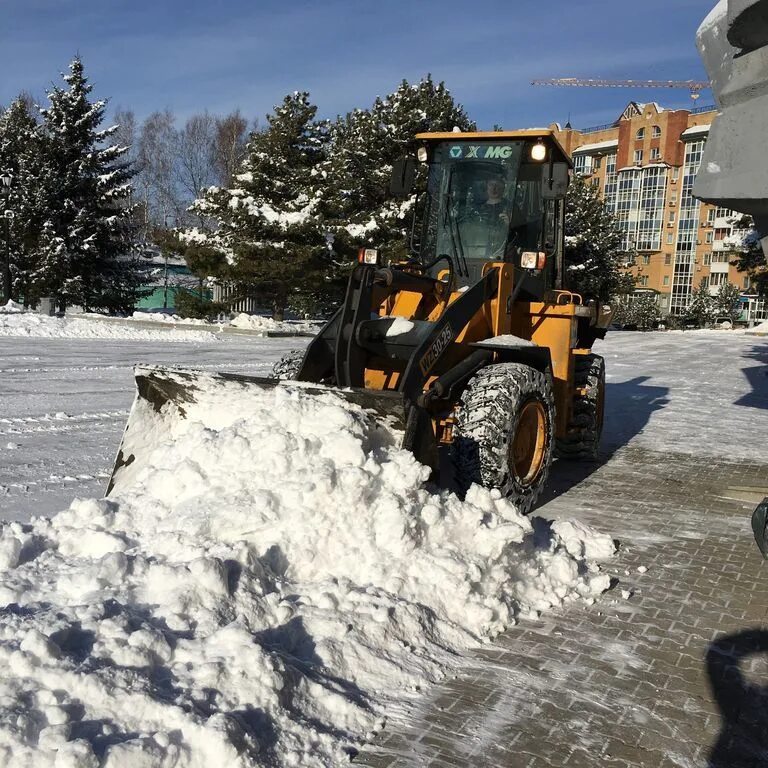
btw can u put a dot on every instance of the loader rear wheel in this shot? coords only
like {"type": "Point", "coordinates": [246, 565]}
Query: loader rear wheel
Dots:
{"type": "Point", "coordinates": [287, 367]}
{"type": "Point", "coordinates": [504, 433]}
{"type": "Point", "coordinates": [586, 423]}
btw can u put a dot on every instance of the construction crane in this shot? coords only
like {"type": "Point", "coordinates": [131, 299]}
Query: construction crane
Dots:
{"type": "Point", "coordinates": [694, 86]}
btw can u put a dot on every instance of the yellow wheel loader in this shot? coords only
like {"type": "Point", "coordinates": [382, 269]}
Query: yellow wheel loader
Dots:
{"type": "Point", "coordinates": [472, 345]}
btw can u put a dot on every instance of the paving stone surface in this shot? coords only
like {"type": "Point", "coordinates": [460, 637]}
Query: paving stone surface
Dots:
{"type": "Point", "coordinates": [675, 674]}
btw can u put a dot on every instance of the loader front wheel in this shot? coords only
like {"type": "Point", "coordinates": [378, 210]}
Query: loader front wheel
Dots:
{"type": "Point", "coordinates": [586, 423]}
{"type": "Point", "coordinates": [504, 432]}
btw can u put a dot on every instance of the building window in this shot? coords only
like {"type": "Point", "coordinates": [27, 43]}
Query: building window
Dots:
{"type": "Point", "coordinates": [670, 238]}
{"type": "Point", "coordinates": [717, 279]}
{"type": "Point", "coordinates": [655, 132]}
{"type": "Point", "coordinates": [597, 162]}
{"type": "Point", "coordinates": [655, 154]}
{"type": "Point", "coordinates": [723, 213]}
{"type": "Point", "coordinates": [646, 258]}
{"type": "Point", "coordinates": [582, 164]}
{"type": "Point", "coordinates": [707, 260]}
{"type": "Point", "coordinates": [708, 239]}
{"type": "Point", "coordinates": [711, 216]}
{"type": "Point", "coordinates": [640, 134]}
{"type": "Point", "coordinates": [644, 280]}
{"type": "Point", "coordinates": [595, 182]}
{"type": "Point", "coordinates": [671, 217]}
{"type": "Point", "coordinates": [675, 174]}
{"type": "Point", "coordinates": [667, 259]}
{"type": "Point", "coordinates": [666, 279]}
{"type": "Point", "coordinates": [745, 284]}
{"type": "Point", "coordinates": [638, 156]}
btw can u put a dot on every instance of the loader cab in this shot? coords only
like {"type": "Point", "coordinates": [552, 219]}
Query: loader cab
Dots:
{"type": "Point", "coordinates": [490, 198]}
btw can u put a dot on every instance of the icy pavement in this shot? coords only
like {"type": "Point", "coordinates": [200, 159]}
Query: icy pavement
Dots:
{"type": "Point", "coordinates": [668, 670]}
{"type": "Point", "coordinates": [64, 404]}
{"type": "Point", "coordinates": [268, 578]}
{"type": "Point", "coordinates": [661, 391]}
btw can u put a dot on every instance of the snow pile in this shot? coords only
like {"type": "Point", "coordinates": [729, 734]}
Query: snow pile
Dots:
{"type": "Point", "coordinates": [12, 306]}
{"type": "Point", "coordinates": [762, 328]}
{"type": "Point", "coordinates": [265, 324]}
{"type": "Point", "coordinates": [162, 317]}
{"type": "Point", "coordinates": [43, 326]}
{"type": "Point", "coordinates": [257, 590]}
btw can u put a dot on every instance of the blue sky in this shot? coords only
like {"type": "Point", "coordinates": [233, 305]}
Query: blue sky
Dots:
{"type": "Point", "coordinates": [192, 55]}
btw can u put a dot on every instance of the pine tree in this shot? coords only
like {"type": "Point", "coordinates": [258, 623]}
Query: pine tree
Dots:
{"type": "Point", "coordinates": [726, 302]}
{"type": "Point", "coordinates": [701, 309]}
{"type": "Point", "coordinates": [21, 158]}
{"type": "Point", "coordinates": [84, 254]}
{"type": "Point", "coordinates": [365, 145]}
{"type": "Point", "coordinates": [594, 254]}
{"type": "Point", "coordinates": [750, 257]}
{"type": "Point", "coordinates": [268, 224]}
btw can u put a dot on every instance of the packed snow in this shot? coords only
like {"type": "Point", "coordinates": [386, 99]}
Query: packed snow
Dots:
{"type": "Point", "coordinates": [268, 575]}
{"type": "Point", "coordinates": [284, 579]}
{"type": "Point", "coordinates": [31, 324]}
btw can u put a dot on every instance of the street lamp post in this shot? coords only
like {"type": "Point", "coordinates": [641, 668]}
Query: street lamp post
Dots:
{"type": "Point", "coordinates": [5, 180]}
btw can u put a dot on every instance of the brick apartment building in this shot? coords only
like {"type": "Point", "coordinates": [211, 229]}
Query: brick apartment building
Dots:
{"type": "Point", "coordinates": [645, 165]}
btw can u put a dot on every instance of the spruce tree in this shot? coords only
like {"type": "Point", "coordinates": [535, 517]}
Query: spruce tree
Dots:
{"type": "Point", "coordinates": [365, 145]}
{"type": "Point", "coordinates": [594, 256]}
{"type": "Point", "coordinates": [727, 303]}
{"type": "Point", "coordinates": [84, 255]}
{"type": "Point", "coordinates": [21, 158]}
{"type": "Point", "coordinates": [750, 257]}
{"type": "Point", "coordinates": [268, 223]}
{"type": "Point", "coordinates": [701, 308]}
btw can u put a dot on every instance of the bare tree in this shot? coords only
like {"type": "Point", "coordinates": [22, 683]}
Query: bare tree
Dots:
{"type": "Point", "coordinates": [194, 150]}
{"type": "Point", "coordinates": [125, 135]}
{"type": "Point", "coordinates": [229, 146]}
{"type": "Point", "coordinates": [156, 159]}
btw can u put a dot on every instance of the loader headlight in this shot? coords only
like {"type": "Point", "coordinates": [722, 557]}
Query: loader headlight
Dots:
{"type": "Point", "coordinates": [539, 151]}
{"type": "Point", "coordinates": [368, 256]}
{"type": "Point", "coordinates": [533, 260]}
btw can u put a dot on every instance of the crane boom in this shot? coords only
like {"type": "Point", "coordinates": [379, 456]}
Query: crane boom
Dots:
{"type": "Point", "coordinates": [694, 86]}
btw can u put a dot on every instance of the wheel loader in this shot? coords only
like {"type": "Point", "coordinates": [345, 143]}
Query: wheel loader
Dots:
{"type": "Point", "coordinates": [471, 346]}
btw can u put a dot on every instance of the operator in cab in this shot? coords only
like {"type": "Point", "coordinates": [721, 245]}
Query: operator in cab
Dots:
{"type": "Point", "coordinates": [495, 208]}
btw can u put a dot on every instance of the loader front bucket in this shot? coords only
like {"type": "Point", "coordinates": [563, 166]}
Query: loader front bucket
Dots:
{"type": "Point", "coordinates": [166, 395]}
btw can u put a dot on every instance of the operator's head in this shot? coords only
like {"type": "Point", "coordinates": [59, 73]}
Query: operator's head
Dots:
{"type": "Point", "coordinates": [494, 186]}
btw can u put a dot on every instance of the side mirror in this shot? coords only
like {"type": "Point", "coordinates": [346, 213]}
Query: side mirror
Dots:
{"type": "Point", "coordinates": [403, 177]}
{"type": "Point", "coordinates": [759, 521]}
{"type": "Point", "coordinates": [554, 181]}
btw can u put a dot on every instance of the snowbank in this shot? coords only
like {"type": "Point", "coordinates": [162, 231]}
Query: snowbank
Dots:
{"type": "Point", "coordinates": [762, 328]}
{"type": "Point", "coordinates": [257, 590]}
{"type": "Point", "coordinates": [42, 326]}
{"type": "Point", "coordinates": [12, 307]}
{"type": "Point", "coordinates": [260, 323]}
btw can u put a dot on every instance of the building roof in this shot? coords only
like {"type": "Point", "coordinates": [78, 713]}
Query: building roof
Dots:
{"type": "Point", "coordinates": [597, 146]}
{"type": "Point", "coordinates": [696, 130]}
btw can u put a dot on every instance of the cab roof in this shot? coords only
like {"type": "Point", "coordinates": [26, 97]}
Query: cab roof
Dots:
{"type": "Point", "coordinates": [547, 135]}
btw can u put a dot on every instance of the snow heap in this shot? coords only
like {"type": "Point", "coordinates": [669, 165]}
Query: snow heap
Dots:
{"type": "Point", "coordinates": [264, 324]}
{"type": "Point", "coordinates": [266, 578]}
{"type": "Point", "coordinates": [11, 306]}
{"type": "Point", "coordinates": [31, 324]}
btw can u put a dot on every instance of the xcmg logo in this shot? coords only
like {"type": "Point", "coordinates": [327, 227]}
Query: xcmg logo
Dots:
{"type": "Point", "coordinates": [481, 152]}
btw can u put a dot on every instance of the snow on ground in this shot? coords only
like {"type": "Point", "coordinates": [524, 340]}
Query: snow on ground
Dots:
{"type": "Point", "coordinates": [268, 576]}
{"type": "Point", "coordinates": [283, 579]}
{"type": "Point", "coordinates": [243, 321]}
{"type": "Point", "coordinates": [696, 392]}
{"type": "Point", "coordinates": [31, 324]}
